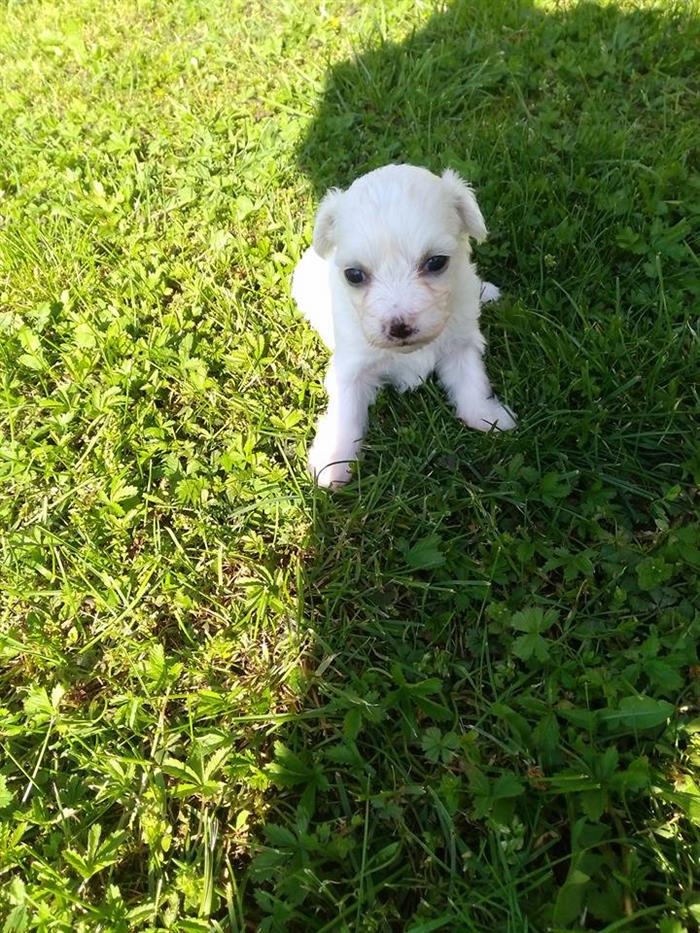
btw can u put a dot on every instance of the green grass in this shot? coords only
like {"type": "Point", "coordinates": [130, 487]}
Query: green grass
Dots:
{"type": "Point", "coordinates": [460, 694]}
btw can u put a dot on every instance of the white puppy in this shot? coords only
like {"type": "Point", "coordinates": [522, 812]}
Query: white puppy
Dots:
{"type": "Point", "coordinates": [390, 287]}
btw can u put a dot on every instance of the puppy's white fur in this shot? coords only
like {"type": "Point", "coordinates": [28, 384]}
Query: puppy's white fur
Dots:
{"type": "Point", "coordinates": [403, 321]}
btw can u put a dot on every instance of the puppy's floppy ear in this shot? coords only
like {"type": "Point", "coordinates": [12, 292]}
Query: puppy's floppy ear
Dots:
{"type": "Point", "coordinates": [324, 227]}
{"type": "Point", "coordinates": [465, 203]}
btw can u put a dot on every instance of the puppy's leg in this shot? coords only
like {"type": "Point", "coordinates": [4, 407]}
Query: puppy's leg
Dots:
{"type": "Point", "coordinates": [340, 430]}
{"type": "Point", "coordinates": [463, 374]}
{"type": "Point", "coordinates": [489, 292]}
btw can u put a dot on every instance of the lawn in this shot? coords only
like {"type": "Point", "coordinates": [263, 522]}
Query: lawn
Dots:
{"type": "Point", "coordinates": [460, 694]}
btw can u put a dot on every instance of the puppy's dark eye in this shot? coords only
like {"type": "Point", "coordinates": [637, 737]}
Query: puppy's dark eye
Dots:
{"type": "Point", "coordinates": [355, 276]}
{"type": "Point", "coordinates": [436, 263]}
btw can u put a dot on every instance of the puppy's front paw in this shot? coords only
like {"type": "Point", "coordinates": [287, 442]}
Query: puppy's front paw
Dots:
{"type": "Point", "coordinates": [326, 467]}
{"type": "Point", "coordinates": [488, 414]}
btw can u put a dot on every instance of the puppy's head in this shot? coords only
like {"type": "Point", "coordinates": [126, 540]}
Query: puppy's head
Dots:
{"type": "Point", "coordinates": [398, 236]}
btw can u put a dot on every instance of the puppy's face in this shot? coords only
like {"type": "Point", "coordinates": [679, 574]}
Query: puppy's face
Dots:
{"type": "Point", "coordinates": [398, 239]}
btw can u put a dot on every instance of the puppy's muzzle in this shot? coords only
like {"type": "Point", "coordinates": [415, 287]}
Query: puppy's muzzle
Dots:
{"type": "Point", "coordinates": [400, 330]}
{"type": "Point", "coordinates": [404, 337]}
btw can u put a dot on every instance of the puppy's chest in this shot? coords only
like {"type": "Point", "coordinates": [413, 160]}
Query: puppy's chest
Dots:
{"type": "Point", "coordinates": [405, 370]}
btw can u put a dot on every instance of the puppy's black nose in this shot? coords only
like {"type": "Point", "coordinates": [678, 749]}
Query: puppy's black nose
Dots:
{"type": "Point", "coordinates": [400, 330]}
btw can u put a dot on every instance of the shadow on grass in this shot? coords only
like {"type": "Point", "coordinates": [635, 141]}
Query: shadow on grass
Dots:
{"type": "Point", "coordinates": [503, 625]}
